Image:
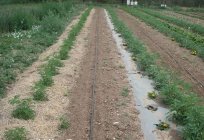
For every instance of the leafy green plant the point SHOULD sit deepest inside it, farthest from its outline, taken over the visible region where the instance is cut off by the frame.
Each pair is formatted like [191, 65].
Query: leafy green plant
[23, 111]
[18, 133]
[64, 123]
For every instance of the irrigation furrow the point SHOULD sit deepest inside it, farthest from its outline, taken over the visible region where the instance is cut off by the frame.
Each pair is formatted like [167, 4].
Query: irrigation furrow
[91, 121]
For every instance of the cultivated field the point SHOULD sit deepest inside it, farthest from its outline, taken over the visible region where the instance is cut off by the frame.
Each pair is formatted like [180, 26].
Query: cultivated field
[76, 71]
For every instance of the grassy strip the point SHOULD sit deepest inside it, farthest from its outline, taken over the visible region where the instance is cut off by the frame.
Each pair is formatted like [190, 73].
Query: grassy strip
[20, 49]
[179, 35]
[184, 105]
[184, 24]
[50, 69]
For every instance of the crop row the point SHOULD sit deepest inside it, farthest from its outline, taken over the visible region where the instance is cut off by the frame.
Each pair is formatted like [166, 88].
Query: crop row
[185, 107]
[179, 22]
[184, 38]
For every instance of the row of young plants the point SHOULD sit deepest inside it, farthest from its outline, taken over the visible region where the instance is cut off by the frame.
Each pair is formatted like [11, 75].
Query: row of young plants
[179, 22]
[23, 108]
[184, 38]
[199, 39]
[20, 49]
[185, 107]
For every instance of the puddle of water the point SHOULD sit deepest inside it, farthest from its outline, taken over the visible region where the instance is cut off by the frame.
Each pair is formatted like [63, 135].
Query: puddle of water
[141, 85]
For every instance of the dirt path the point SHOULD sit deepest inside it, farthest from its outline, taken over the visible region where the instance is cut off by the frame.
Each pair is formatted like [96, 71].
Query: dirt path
[114, 116]
[184, 17]
[191, 68]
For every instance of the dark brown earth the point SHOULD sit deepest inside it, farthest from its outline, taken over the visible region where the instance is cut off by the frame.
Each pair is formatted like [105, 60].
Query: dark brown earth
[189, 67]
[115, 116]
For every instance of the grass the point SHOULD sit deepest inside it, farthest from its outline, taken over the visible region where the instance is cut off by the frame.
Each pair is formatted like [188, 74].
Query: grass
[18, 133]
[64, 123]
[186, 39]
[51, 68]
[179, 22]
[19, 49]
[174, 92]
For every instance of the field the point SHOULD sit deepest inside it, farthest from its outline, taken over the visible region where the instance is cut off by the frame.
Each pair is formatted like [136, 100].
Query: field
[71, 70]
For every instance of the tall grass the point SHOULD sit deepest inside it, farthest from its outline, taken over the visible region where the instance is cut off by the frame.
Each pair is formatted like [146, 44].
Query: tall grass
[185, 107]
[23, 16]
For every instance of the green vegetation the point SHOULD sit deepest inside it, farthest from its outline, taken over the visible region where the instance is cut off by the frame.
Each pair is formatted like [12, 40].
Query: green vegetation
[18, 133]
[51, 68]
[19, 49]
[23, 110]
[152, 95]
[184, 104]
[125, 92]
[179, 22]
[186, 39]
[64, 123]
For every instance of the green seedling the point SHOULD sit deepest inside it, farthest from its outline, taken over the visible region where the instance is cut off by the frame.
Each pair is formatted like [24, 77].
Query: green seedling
[18, 133]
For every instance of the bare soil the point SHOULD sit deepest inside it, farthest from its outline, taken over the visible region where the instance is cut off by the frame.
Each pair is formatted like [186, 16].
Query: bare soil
[178, 59]
[115, 116]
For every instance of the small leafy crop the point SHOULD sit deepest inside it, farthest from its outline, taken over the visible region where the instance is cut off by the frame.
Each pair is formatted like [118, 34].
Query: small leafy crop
[23, 110]
[162, 125]
[64, 123]
[152, 95]
[18, 133]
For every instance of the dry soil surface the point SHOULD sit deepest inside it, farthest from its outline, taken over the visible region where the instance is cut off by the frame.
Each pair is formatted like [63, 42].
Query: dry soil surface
[178, 59]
